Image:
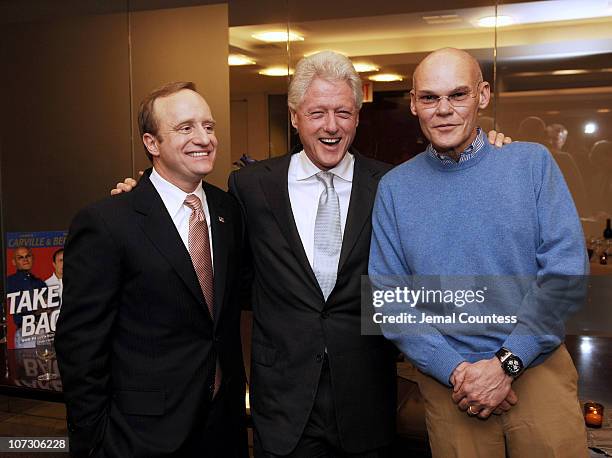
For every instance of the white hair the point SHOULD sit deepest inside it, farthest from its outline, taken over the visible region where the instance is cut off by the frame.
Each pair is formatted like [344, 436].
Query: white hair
[327, 65]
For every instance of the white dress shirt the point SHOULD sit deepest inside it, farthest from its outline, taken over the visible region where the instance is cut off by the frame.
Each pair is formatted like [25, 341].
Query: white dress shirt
[305, 189]
[54, 281]
[174, 200]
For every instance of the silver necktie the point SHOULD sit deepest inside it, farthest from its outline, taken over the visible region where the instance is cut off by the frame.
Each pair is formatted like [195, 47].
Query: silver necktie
[327, 235]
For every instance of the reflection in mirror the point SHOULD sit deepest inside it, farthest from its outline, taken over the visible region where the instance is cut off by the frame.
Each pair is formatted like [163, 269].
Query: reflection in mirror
[259, 76]
[555, 87]
[385, 48]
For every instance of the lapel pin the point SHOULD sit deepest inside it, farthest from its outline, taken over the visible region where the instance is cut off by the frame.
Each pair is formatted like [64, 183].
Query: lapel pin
[221, 219]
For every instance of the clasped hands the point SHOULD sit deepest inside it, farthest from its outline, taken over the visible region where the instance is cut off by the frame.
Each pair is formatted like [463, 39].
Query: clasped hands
[482, 387]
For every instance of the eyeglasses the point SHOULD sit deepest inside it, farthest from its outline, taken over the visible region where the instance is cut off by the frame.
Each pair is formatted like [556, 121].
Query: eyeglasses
[456, 99]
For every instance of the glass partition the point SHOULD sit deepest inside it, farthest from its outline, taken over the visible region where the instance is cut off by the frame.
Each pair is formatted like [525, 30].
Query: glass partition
[555, 88]
[65, 137]
[75, 72]
[385, 45]
[259, 76]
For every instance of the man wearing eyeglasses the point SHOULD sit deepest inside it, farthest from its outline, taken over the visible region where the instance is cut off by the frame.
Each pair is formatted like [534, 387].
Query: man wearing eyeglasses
[462, 208]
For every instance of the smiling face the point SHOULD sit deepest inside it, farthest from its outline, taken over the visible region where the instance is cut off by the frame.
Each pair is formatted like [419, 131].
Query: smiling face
[451, 73]
[326, 120]
[185, 146]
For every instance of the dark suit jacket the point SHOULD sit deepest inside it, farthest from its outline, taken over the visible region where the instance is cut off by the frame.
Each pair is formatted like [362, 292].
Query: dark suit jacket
[136, 344]
[292, 323]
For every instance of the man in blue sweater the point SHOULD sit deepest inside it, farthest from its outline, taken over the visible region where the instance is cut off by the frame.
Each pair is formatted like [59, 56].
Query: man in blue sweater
[463, 208]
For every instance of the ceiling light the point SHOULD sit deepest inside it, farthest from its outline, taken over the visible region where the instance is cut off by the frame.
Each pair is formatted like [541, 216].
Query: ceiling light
[590, 128]
[362, 67]
[553, 112]
[386, 77]
[276, 71]
[570, 72]
[493, 21]
[604, 110]
[277, 36]
[239, 59]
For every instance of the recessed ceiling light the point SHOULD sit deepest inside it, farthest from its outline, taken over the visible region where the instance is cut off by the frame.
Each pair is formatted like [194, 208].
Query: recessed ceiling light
[604, 110]
[553, 112]
[239, 59]
[492, 21]
[590, 128]
[362, 67]
[386, 77]
[570, 72]
[277, 36]
[276, 71]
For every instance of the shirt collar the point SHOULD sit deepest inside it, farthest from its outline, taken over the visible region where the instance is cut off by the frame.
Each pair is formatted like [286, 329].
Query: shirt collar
[306, 169]
[467, 154]
[172, 195]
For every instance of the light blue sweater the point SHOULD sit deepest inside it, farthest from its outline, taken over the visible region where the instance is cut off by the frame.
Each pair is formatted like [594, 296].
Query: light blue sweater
[505, 212]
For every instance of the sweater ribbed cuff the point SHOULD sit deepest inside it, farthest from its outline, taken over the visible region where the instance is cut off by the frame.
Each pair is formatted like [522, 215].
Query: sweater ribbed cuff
[525, 347]
[442, 365]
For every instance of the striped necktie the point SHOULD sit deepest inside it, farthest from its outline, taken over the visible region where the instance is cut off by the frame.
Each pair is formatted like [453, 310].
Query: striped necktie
[199, 250]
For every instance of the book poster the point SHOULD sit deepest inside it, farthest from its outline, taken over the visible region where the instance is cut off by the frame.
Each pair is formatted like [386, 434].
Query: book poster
[34, 269]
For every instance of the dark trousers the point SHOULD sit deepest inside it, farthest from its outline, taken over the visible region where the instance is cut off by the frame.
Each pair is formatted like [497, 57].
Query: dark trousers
[218, 435]
[223, 435]
[320, 438]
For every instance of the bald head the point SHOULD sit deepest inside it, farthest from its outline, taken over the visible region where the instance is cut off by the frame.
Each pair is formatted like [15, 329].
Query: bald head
[22, 259]
[441, 58]
[448, 90]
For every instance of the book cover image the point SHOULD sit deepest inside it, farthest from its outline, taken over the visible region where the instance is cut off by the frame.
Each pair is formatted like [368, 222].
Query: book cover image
[33, 285]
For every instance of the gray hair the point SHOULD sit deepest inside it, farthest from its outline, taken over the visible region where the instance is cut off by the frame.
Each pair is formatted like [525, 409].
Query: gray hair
[327, 65]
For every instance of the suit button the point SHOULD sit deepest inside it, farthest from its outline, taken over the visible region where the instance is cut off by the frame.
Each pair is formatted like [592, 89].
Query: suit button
[319, 358]
[324, 315]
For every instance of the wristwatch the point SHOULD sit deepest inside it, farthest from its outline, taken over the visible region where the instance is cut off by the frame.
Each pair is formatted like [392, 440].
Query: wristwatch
[510, 363]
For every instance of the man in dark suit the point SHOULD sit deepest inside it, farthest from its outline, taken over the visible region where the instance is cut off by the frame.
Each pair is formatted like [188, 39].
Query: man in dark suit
[318, 387]
[148, 338]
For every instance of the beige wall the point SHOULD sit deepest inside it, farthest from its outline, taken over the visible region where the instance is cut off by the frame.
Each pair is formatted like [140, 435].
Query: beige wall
[250, 131]
[184, 44]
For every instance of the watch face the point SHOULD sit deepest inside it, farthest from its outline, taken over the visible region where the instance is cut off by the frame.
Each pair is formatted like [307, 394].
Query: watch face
[513, 365]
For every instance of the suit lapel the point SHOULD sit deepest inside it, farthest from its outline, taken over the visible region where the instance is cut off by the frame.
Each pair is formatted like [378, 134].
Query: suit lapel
[275, 189]
[220, 230]
[363, 192]
[157, 225]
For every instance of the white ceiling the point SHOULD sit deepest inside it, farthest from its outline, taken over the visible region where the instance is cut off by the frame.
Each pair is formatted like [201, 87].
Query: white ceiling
[542, 30]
